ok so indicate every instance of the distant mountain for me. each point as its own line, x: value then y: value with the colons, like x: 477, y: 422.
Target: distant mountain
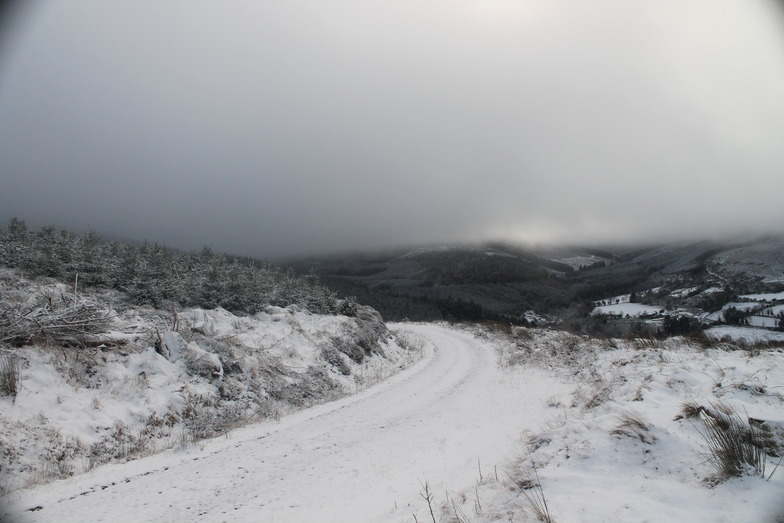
x: 504, y: 282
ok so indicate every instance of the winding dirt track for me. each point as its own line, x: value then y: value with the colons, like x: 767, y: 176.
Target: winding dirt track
x: 360, y: 459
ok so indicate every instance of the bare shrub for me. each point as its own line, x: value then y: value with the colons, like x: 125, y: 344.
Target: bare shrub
x: 63, y: 322
x: 427, y: 495
x: 363, y: 338
x: 409, y: 341
x: 305, y: 389
x: 524, y: 334
x: 122, y: 443
x: 347, y: 346
x: 648, y: 342
x: 701, y: 340
x: 497, y: 327
x: 202, y: 324
x: 609, y: 344
x: 60, y: 455
x: 10, y: 375
x: 518, y: 356
x: 453, y: 511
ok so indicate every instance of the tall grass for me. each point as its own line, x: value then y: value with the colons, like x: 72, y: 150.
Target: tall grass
x: 10, y: 375
x: 531, y: 488
x: 735, y: 446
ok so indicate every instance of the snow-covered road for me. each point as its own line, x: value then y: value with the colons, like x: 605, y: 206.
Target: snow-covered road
x: 358, y: 459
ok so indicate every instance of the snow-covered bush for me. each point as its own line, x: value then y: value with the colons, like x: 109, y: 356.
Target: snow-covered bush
x: 202, y: 363
x: 150, y: 274
x: 58, y: 321
x: 162, y: 379
x: 332, y: 356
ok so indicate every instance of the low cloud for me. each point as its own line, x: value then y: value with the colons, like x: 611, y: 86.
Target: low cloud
x: 272, y: 129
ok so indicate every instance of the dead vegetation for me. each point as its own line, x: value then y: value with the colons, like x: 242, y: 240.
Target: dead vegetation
x: 632, y: 425
x: 530, y: 486
x: 736, y: 446
x: 10, y: 375
x: 60, y: 321
x: 95, y: 351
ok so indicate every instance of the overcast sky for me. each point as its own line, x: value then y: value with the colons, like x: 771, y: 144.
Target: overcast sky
x: 279, y: 127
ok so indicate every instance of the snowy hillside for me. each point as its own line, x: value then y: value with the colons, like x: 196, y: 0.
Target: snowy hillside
x: 142, y: 380
x: 631, y: 443
x: 488, y: 426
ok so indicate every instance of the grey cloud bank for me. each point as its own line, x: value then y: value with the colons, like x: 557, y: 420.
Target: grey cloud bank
x: 271, y: 128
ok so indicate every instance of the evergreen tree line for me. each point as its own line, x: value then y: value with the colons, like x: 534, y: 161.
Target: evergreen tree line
x: 151, y: 274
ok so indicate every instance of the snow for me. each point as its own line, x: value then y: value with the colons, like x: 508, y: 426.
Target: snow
x: 426, y: 250
x: 745, y: 306
x: 682, y: 293
x: 742, y: 305
x: 536, y: 319
x: 357, y: 459
x: 470, y: 419
x: 593, y: 468
x: 775, y: 311
x: 763, y: 321
x: 495, y: 252
x: 78, y: 408
x: 748, y: 334
x: 577, y: 261
x: 621, y: 298
x: 624, y: 309
x: 764, y: 297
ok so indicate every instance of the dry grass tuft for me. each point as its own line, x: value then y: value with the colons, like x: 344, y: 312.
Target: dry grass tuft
x: 531, y: 488
x: 690, y: 410
x: 735, y: 446
x: 10, y: 375
x: 632, y: 425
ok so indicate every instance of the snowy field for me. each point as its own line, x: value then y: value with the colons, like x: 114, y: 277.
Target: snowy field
x: 763, y: 321
x: 745, y: 334
x: 764, y: 297
x: 577, y: 261
x: 633, y: 310
x: 744, y: 306
x: 775, y: 310
x: 682, y: 293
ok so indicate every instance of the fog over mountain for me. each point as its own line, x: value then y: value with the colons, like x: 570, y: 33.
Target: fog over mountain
x: 277, y: 128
